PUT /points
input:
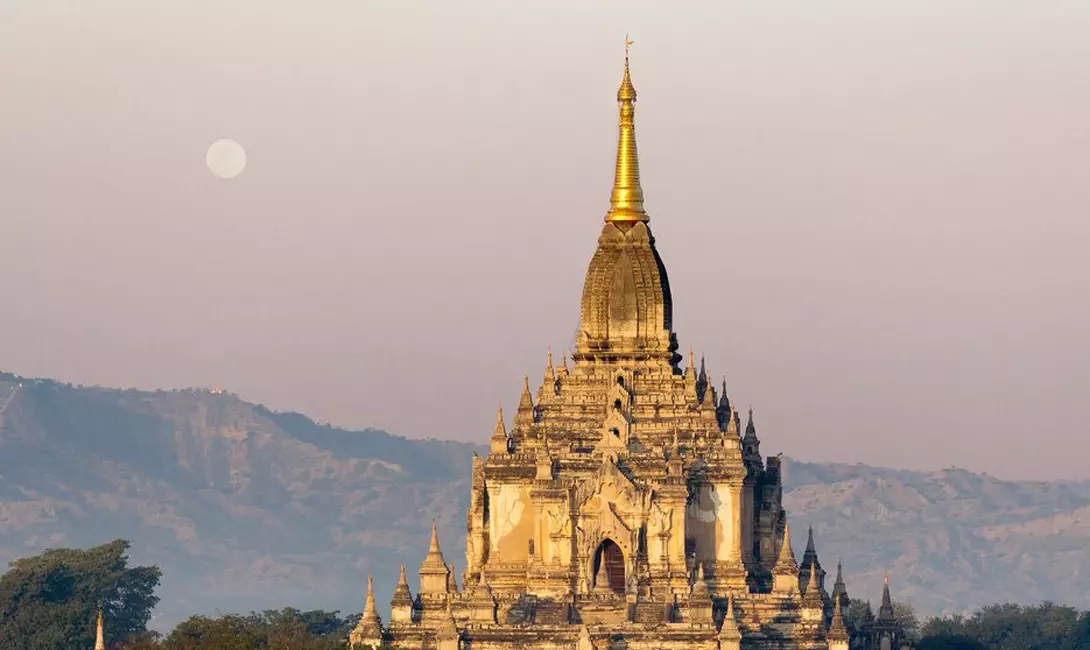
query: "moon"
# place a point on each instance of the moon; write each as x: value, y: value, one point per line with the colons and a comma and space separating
x: 226, y: 158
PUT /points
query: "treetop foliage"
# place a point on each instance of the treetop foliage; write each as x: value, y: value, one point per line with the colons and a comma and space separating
x: 50, y: 601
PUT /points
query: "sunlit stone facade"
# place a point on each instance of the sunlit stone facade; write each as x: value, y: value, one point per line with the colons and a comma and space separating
x: 625, y: 507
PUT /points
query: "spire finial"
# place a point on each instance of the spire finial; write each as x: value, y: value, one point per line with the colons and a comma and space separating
x: 100, y: 636
x: 837, y: 630
x: 787, y: 555
x: 626, y: 200
x: 433, y: 547
x: 810, y: 548
x: 885, y: 612
x: 369, y: 606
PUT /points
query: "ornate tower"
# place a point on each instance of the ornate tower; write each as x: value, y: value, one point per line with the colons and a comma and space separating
x: 623, y: 498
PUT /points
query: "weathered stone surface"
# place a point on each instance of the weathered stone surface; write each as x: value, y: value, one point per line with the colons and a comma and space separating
x: 623, y: 510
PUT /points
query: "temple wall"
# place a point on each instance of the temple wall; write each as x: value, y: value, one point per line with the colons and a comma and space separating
x: 511, y: 522
x: 747, y: 522
x: 710, y: 521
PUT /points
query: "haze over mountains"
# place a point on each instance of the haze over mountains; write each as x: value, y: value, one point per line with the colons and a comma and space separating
x: 246, y: 508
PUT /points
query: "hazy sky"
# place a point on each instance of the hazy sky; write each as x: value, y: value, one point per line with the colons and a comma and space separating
x: 875, y: 214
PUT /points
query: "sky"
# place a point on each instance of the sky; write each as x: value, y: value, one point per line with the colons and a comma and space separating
x: 875, y: 215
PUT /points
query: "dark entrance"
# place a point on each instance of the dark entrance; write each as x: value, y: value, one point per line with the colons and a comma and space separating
x: 613, y: 557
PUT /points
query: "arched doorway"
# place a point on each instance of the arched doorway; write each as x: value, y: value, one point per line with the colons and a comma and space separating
x: 612, y: 557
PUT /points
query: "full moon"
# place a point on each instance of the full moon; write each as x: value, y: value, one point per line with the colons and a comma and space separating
x: 226, y: 158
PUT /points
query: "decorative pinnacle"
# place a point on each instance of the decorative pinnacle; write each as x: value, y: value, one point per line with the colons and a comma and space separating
x: 729, y: 631
x: 369, y: 607
x: 401, y: 580
x: 433, y: 547
x: 811, y: 584
x: 626, y: 200
x: 810, y: 549
x: 786, y: 560
x: 837, y: 629
x: 885, y: 612
x: 501, y: 430
x: 100, y: 636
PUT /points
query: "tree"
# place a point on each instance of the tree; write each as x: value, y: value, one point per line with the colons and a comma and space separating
x: 50, y: 601
x: 1016, y: 627
x: 286, y: 629
x: 906, y: 617
x: 949, y: 642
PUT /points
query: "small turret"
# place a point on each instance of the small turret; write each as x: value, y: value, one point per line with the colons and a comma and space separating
x: 700, y: 601
x: 840, y: 590
x: 434, y: 571
x: 452, y: 582
x: 709, y: 409
x: 550, y: 372
x: 690, y: 380
x: 838, y: 633
x: 482, y: 603
x: 499, y: 443
x: 886, y: 629
x: 524, y: 416
x: 369, y: 629
x: 730, y: 637
x: 401, y: 605
x: 751, y: 444
x: 785, y: 575
x: 447, y: 636
x: 813, y: 605
x: 702, y: 381
x: 885, y: 612
x: 722, y: 411
x: 810, y: 561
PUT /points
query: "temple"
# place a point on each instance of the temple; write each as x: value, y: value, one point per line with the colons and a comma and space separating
x: 626, y: 507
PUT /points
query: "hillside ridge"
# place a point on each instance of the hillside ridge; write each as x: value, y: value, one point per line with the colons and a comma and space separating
x: 245, y: 507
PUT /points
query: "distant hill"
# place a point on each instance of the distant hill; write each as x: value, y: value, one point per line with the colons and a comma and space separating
x: 246, y: 508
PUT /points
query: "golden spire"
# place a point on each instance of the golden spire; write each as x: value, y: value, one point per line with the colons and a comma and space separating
x: 626, y: 201
x: 100, y: 637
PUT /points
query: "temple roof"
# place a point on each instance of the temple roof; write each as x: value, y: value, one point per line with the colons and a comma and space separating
x: 626, y: 307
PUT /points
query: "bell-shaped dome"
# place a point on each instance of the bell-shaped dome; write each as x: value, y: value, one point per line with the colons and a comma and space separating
x: 626, y: 308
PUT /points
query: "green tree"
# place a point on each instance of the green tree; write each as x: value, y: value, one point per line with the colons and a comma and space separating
x: 949, y: 642
x: 1017, y: 627
x: 50, y: 601
x: 906, y: 616
x: 286, y: 629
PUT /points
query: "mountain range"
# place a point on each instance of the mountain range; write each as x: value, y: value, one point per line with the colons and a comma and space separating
x: 246, y: 508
